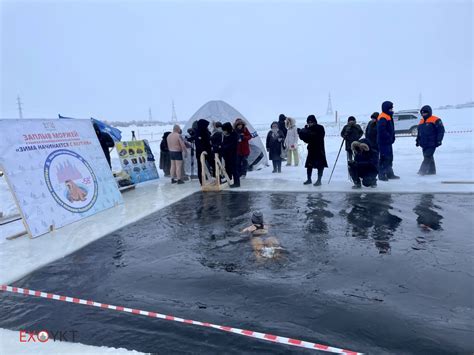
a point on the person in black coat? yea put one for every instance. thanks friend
(313, 134)
(105, 141)
(275, 139)
(430, 136)
(281, 124)
(371, 130)
(385, 140)
(364, 165)
(229, 153)
(216, 139)
(203, 144)
(351, 133)
(165, 160)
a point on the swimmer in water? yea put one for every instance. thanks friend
(264, 248)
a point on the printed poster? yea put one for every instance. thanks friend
(137, 160)
(57, 171)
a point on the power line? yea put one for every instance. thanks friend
(20, 111)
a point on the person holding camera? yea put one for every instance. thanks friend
(351, 133)
(313, 134)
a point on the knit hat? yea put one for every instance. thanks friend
(351, 118)
(375, 115)
(311, 118)
(257, 217)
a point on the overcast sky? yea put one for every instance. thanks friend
(115, 60)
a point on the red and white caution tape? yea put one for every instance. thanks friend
(248, 333)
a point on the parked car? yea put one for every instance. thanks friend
(407, 121)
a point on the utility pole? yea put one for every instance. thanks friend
(150, 117)
(174, 119)
(20, 112)
(329, 111)
(420, 100)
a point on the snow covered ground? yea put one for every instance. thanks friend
(454, 160)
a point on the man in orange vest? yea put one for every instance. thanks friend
(385, 139)
(430, 136)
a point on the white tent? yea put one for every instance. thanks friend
(221, 111)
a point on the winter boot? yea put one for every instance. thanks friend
(357, 186)
(317, 183)
(383, 177)
(392, 176)
(174, 181)
(180, 182)
(307, 182)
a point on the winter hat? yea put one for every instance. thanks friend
(386, 106)
(375, 115)
(274, 123)
(217, 124)
(203, 124)
(227, 127)
(351, 118)
(282, 117)
(426, 109)
(311, 118)
(257, 217)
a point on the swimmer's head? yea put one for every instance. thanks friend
(257, 219)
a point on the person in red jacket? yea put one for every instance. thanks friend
(243, 147)
(430, 136)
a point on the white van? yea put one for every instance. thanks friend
(407, 121)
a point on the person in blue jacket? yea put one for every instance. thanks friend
(430, 136)
(385, 140)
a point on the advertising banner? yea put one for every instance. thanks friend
(56, 170)
(137, 160)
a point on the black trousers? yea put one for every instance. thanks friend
(364, 171)
(276, 165)
(428, 166)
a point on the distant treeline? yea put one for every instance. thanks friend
(141, 123)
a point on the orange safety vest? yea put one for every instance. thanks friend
(431, 119)
(384, 115)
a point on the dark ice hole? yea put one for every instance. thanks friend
(376, 273)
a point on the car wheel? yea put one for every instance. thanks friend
(414, 131)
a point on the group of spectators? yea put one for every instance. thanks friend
(230, 141)
(367, 158)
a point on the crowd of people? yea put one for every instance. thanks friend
(369, 158)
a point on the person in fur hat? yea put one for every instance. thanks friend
(291, 142)
(364, 165)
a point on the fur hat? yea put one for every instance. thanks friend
(359, 147)
(351, 118)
